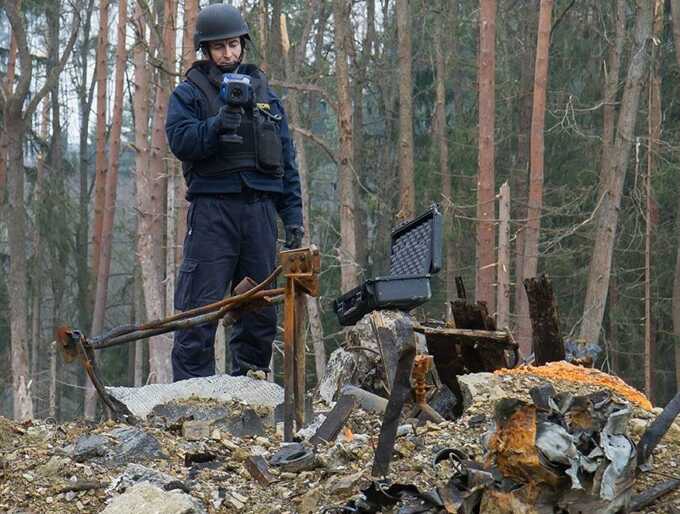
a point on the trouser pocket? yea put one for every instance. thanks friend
(183, 289)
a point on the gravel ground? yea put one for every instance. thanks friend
(36, 472)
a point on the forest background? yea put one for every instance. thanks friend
(547, 131)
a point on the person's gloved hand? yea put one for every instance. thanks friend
(227, 120)
(294, 235)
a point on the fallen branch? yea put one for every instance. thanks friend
(645, 499)
(657, 429)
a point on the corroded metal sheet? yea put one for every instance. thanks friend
(140, 400)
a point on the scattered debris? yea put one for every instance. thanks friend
(225, 472)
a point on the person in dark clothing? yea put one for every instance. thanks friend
(235, 190)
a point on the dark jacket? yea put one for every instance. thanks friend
(192, 136)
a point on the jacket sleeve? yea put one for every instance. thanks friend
(191, 138)
(289, 203)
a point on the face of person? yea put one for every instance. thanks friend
(225, 52)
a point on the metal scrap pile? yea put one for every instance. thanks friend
(562, 453)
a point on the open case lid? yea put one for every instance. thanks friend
(417, 245)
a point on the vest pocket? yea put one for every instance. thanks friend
(269, 148)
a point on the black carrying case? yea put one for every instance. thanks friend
(416, 252)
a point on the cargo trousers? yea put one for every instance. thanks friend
(229, 236)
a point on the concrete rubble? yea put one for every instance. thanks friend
(554, 438)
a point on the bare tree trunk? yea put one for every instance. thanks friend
(654, 132)
(611, 84)
(533, 225)
(138, 300)
(111, 177)
(675, 14)
(520, 175)
(101, 167)
(188, 52)
(8, 87)
(503, 290)
(174, 240)
(101, 71)
(16, 231)
(38, 247)
(349, 270)
(188, 57)
(159, 346)
(15, 115)
(607, 223)
(85, 98)
(262, 33)
(407, 203)
(149, 210)
(292, 67)
(274, 49)
(442, 143)
(612, 72)
(486, 202)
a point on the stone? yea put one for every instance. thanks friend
(246, 424)
(637, 426)
(54, 467)
(117, 447)
(195, 430)
(480, 385)
(136, 444)
(145, 498)
(259, 470)
(88, 447)
(136, 473)
(309, 502)
(345, 484)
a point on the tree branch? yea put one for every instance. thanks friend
(310, 88)
(25, 64)
(299, 54)
(560, 17)
(54, 73)
(310, 135)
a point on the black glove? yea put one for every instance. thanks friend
(228, 120)
(294, 235)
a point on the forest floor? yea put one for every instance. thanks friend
(43, 465)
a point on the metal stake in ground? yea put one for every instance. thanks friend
(401, 390)
(301, 268)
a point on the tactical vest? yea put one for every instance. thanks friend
(261, 149)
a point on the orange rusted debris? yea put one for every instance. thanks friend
(512, 449)
(421, 366)
(520, 501)
(565, 371)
